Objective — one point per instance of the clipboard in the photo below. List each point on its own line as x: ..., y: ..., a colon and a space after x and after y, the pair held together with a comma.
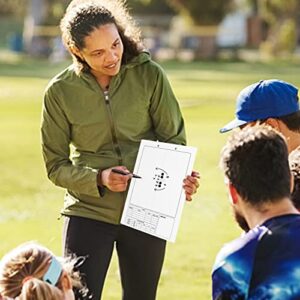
x: 155, y: 202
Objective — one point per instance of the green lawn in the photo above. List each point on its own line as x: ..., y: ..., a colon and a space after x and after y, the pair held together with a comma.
x: 30, y: 204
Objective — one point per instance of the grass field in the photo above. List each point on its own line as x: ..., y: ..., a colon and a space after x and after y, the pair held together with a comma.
x: 30, y: 204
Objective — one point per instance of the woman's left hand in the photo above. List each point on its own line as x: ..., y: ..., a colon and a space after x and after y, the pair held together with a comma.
x: 191, y: 184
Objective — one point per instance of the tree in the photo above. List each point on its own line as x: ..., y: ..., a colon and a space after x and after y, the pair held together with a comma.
x: 281, y: 17
x: 204, y: 16
x: 150, y: 7
x: 203, y: 12
x: 13, y: 7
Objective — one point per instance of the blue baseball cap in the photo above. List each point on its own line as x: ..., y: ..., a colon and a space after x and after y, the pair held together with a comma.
x: 262, y: 100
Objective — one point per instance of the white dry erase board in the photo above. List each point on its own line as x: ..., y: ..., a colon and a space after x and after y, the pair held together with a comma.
x: 154, y: 203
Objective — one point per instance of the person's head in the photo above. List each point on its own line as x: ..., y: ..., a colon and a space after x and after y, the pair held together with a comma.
x: 31, y: 271
x: 274, y: 102
x: 294, y: 160
x: 100, y: 35
x: 255, y: 163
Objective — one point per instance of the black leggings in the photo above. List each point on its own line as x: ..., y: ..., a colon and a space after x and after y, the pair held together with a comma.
x: 140, y: 256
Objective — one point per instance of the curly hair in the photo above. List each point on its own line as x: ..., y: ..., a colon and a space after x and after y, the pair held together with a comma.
x: 255, y: 160
x: 84, y: 16
x: 21, y: 273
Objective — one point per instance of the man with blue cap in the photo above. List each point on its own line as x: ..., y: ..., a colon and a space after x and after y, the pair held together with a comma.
x: 273, y: 102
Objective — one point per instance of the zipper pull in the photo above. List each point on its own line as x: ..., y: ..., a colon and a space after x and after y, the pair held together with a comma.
x: 106, y: 96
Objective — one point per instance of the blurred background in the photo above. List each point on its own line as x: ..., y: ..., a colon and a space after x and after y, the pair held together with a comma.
x: 173, y: 29
x: 210, y: 51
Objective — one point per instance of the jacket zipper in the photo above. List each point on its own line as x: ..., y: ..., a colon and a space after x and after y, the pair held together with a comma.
x: 112, y: 128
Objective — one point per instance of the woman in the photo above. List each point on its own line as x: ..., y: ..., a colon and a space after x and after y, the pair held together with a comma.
x: 112, y: 96
x: 31, y: 271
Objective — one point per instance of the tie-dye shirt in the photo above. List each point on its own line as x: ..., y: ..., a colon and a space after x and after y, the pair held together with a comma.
x: 262, y: 264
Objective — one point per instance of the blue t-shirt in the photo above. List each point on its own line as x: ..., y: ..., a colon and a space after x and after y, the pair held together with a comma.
x: 263, y: 264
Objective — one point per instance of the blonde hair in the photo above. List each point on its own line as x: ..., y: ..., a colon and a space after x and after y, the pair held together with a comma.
x: 22, y: 270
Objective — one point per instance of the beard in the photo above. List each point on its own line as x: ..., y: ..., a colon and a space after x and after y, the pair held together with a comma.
x: 239, y: 218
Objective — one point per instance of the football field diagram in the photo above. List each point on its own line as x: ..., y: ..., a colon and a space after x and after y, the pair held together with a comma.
x: 154, y: 202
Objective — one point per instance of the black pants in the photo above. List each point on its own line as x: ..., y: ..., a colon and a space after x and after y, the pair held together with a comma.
x: 140, y: 256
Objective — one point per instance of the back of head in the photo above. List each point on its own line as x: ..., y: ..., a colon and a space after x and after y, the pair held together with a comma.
x: 35, y: 289
x: 255, y: 160
x: 22, y: 271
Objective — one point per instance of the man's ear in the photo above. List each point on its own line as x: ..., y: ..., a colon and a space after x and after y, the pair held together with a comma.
x: 66, y: 282
x: 273, y: 123
x: 233, y: 194
x: 292, y: 183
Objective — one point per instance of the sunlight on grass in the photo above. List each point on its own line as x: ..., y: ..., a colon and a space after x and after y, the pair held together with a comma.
x: 30, y: 204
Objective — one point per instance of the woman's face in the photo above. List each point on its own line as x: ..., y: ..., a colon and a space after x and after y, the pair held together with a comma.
x: 103, y: 50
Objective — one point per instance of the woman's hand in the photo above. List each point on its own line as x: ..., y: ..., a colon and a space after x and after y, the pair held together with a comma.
x: 191, y: 184
x: 113, y: 181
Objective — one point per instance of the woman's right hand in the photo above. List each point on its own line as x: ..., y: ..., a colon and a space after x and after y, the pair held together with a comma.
x: 113, y: 181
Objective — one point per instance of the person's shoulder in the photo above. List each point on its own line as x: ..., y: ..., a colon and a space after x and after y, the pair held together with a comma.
x: 241, y: 247
x: 277, y: 260
x: 282, y: 223
x: 234, y: 264
x: 284, y: 230
x: 65, y: 76
x: 155, y: 66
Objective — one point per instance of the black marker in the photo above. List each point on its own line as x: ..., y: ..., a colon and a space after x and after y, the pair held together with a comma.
x: 125, y: 173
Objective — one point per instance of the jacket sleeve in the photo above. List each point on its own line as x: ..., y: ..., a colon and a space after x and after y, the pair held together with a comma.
x: 165, y: 112
x: 56, y: 139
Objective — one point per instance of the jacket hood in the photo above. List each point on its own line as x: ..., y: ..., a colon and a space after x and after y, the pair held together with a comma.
x: 138, y: 60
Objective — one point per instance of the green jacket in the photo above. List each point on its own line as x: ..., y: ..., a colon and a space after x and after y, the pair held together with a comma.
x: 84, y: 130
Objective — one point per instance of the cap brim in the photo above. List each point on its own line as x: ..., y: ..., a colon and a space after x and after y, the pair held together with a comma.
x: 233, y: 124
